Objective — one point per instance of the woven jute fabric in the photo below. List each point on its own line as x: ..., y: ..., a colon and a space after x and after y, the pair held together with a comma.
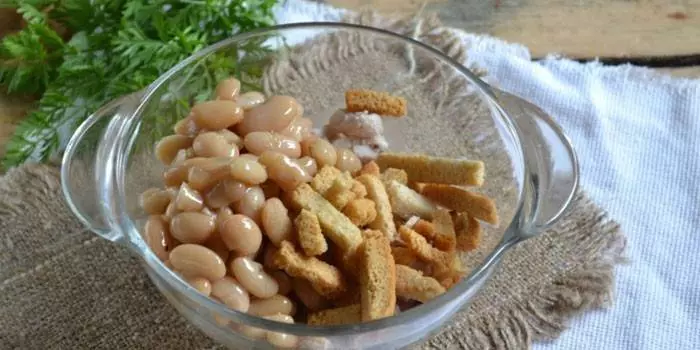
x: 62, y: 287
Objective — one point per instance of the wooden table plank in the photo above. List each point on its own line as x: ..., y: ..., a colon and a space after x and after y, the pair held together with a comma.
x: 583, y: 28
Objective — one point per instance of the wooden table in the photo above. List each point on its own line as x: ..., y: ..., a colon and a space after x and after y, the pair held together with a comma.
x: 663, y: 34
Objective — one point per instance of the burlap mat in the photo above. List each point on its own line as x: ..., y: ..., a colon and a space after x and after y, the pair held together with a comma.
x: 63, y: 288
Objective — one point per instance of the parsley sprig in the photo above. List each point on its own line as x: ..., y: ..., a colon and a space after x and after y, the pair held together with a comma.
x: 116, y: 47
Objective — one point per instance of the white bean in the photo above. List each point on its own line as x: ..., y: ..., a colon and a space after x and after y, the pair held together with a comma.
x: 273, y: 115
x: 154, y: 201
x: 216, y: 115
x: 250, y: 99
x: 241, y: 234
x: 194, y: 260
x: 252, y: 203
x: 213, y: 144
x: 276, y: 222
x: 192, y: 227
x: 348, y: 161
x: 228, y: 89
x: 281, y: 340
x: 324, y: 153
x: 157, y: 237
x: 167, y: 147
x: 286, y: 172
x: 252, y: 276
x: 231, y: 293
x: 247, y: 171
x: 188, y: 199
x: 201, y: 284
x: 260, y: 141
x: 277, y: 304
x: 298, y: 129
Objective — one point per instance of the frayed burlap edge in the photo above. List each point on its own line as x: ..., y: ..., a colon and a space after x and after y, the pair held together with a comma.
x: 542, y: 313
x: 545, y: 313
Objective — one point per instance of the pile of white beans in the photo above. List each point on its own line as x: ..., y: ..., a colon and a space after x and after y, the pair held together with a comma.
x: 219, y: 218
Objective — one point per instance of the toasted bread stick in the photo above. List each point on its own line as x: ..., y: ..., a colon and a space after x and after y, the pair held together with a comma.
x: 422, y: 168
x: 310, y: 235
x: 336, y: 226
x: 377, y: 193
x: 468, y: 232
x: 360, y: 100
x: 411, y: 284
x: 341, y: 315
x: 406, y: 202
x: 475, y: 204
x: 377, y: 276
x: 324, y: 278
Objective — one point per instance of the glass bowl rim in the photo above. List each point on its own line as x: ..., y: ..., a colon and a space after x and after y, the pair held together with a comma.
x: 124, y: 144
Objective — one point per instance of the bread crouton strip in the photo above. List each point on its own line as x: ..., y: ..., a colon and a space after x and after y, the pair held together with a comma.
x: 403, y: 256
x: 452, y: 275
x: 392, y: 174
x: 445, y: 238
x: 406, y: 202
x: 377, y: 276
x: 359, y: 190
x: 411, y: 284
x: 422, y: 168
x: 423, y: 250
x: 377, y: 192
x: 323, y: 180
x: 370, y: 168
x: 324, y: 278
x: 468, y: 232
x: 361, y: 211
x: 475, y: 204
x: 360, y: 100
x: 310, y: 235
x: 335, y: 225
x: 341, y: 315
x: 340, y: 193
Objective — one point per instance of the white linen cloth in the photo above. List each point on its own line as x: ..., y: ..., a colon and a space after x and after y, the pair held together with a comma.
x: 637, y: 135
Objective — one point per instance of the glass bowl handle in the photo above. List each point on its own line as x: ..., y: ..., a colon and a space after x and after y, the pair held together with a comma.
x: 88, y: 164
x: 552, y: 170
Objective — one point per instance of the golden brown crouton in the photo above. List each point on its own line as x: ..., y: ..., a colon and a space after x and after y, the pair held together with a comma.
x: 324, y: 278
x: 423, y: 250
x: 411, y: 284
x: 445, y: 237
x: 360, y: 100
x: 341, y: 315
x: 370, y: 168
x: 377, y: 192
x: 323, y: 180
x: 406, y: 202
x: 475, y: 204
x: 403, y: 256
x: 335, y: 225
x: 359, y: 190
x: 310, y: 235
x: 377, y: 276
x: 393, y: 174
x: 360, y: 211
x: 422, y: 168
x: 468, y: 232
x: 340, y: 193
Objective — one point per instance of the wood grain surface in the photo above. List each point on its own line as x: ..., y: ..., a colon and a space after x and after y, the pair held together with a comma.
x: 575, y: 28
x: 665, y: 31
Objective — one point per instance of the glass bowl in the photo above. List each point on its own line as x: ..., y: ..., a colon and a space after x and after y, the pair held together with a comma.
x: 531, y: 169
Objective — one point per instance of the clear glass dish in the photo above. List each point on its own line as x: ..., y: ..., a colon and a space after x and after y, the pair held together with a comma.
x: 531, y: 167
